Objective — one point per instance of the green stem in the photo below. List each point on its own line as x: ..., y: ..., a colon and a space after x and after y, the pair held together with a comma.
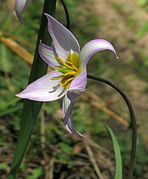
x: 66, y: 14
x: 31, y: 109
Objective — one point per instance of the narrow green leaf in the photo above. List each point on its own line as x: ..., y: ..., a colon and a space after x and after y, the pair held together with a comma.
x: 118, y: 172
x: 31, y: 109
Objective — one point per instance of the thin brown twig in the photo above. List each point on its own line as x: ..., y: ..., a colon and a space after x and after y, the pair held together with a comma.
x: 42, y: 129
x: 19, y: 50
x: 93, y: 161
x: 15, y: 47
x: 48, y: 163
x: 50, y: 169
x: 7, y: 34
x: 94, y: 102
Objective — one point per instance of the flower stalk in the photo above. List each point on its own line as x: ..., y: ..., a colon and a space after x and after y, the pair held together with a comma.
x: 66, y: 14
x: 132, y: 117
x: 31, y: 109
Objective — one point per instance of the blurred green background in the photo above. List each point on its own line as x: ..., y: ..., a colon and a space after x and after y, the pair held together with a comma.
x: 53, y: 153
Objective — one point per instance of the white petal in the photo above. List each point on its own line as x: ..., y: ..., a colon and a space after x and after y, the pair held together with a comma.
x: 79, y: 83
x: 67, y: 106
x: 63, y: 39
x: 44, y: 89
x: 94, y: 46
x: 19, y: 7
x: 47, y: 54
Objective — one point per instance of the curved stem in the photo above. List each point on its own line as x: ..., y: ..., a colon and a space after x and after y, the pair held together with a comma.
x: 132, y: 117
x: 66, y: 14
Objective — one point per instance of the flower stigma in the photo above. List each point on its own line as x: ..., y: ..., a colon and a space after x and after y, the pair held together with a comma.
x: 69, y: 69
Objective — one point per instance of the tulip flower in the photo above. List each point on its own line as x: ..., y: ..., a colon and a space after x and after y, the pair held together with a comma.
x: 68, y: 78
x: 20, y: 5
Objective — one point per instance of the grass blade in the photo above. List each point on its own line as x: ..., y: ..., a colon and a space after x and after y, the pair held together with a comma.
x: 31, y: 109
x: 118, y: 172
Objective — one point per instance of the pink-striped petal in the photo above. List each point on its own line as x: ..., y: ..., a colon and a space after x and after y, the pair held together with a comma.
x: 20, y: 5
x: 63, y: 39
x: 94, y: 46
x: 67, y: 107
x: 44, y: 89
x: 47, y: 54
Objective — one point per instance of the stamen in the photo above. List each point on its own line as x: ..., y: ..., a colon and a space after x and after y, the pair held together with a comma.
x: 59, y: 60
x: 70, y: 65
x: 64, y: 82
x: 74, y: 59
x: 56, y: 78
x: 69, y: 69
x: 72, y: 73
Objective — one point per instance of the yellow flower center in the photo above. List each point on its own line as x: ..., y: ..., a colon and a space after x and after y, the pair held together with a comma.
x: 69, y: 69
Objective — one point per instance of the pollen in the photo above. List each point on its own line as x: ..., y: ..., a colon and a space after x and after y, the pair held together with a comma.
x: 70, y: 69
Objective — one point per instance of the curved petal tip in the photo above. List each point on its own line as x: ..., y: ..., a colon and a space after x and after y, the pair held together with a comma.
x: 67, y: 107
x: 94, y: 46
x: 20, y: 5
x: 71, y: 129
x: 63, y: 39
